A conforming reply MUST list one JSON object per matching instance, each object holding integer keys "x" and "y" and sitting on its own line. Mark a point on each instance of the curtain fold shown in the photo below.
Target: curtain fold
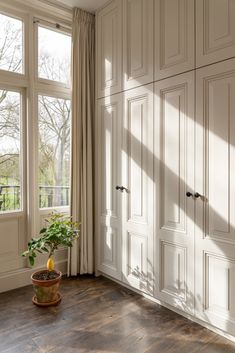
{"x": 81, "y": 255}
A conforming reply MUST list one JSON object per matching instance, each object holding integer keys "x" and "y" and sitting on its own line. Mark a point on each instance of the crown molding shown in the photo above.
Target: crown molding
{"x": 43, "y": 8}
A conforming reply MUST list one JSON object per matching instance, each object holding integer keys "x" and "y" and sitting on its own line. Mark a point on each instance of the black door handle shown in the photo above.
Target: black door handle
{"x": 121, "y": 188}
{"x": 197, "y": 195}
{"x": 188, "y": 194}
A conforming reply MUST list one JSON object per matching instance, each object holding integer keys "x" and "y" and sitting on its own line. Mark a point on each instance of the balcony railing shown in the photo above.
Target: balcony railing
{"x": 49, "y": 196}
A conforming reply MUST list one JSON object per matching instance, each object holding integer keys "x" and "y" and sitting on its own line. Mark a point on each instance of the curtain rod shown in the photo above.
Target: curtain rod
{"x": 52, "y": 24}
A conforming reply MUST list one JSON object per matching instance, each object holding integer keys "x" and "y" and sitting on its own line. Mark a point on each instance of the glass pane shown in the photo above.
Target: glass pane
{"x": 54, "y": 151}
{"x": 54, "y": 55}
{"x": 10, "y": 178}
{"x": 11, "y": 44}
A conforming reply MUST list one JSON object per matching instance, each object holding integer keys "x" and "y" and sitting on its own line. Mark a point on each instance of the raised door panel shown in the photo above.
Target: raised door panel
{"x": 12, "y": 242}
{"x": 215, "y": 30}
{"x": 109, "y": 49}
{"x": 137, "y": 42}
{"x": 174, "y": 177}
{"x": 215, "y": 211}
{"x": 174, "y": 37}
{"x": 137, "y": 165}
{"x": 173, "y": 281}
{"x": 109, "y": 175}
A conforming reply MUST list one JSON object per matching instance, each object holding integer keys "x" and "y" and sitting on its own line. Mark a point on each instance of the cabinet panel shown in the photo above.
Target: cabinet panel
{"x": 137, "y": 206}
{"x": 173, "y": 276}
{"x": 174, "y": 176}
{"x": 109, "y": 175}
{"x": 215, "y": 26}
{"x": 12, "y": 242}
{"x": 109, "y": 49}
{"x": 215, "y": 181}
{"x": 174, "y": 37}
{"x": 137, "y": 42}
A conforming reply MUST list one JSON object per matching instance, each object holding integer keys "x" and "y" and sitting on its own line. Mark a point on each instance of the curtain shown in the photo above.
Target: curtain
{"x": 81, "y": 257}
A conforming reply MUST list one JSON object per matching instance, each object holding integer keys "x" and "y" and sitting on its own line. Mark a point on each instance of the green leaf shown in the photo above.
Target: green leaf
{"x": 61, "y": 230}
{"x": 31, "y": 260}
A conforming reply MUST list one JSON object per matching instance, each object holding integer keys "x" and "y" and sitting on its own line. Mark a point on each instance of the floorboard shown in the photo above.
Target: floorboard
{"x": 97, "y": 315}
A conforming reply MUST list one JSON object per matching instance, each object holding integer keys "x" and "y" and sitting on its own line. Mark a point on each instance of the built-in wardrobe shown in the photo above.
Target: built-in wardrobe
{"x": 165, "y": 152}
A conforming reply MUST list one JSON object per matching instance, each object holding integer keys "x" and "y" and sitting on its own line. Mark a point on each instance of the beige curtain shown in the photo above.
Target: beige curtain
{"x": 81, "y": 257}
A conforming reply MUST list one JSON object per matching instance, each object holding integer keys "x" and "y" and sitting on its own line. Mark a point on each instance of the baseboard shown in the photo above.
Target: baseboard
{"x": 160, "y": 302}
{"x": 20, "y": 278}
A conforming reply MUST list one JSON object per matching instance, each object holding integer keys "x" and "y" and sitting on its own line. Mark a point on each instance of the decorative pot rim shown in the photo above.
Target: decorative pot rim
{"x": 46, "y": 282}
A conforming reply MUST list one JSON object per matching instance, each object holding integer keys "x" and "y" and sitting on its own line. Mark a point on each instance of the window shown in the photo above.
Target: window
{"x": 35, "y": 116}
{"x": 54, "y": 151}
{"x": 54, "y": 55}
{"x": 47, "y": 164}
{"x": 11, "y": 44}
{"x": 10, "y": 150}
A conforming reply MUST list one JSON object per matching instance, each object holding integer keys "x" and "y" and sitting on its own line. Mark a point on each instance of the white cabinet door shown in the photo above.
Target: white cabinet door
{"x": 174, "y": 178}
{"x": 137, "y": 200}
{"x": 174, "y": 37}
{"x": 215, "y": 30}
{"x": 215, "y": 181}
{"x": 109, "y": 223}
{"x": 137, "y": 42}
{"x": 109, "y": 49}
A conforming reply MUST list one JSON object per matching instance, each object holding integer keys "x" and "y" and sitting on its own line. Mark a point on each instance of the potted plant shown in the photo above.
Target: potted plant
{"x": 60, "y": 231}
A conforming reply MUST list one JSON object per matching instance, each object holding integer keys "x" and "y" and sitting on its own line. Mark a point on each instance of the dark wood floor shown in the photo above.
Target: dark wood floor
{"x": 97, "y": 315}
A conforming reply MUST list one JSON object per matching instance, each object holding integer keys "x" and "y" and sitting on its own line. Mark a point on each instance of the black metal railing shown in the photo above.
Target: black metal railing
{"x": 53, "y": 196}
{"x": 49, "y": 196}
{"x": 9, "y": 197}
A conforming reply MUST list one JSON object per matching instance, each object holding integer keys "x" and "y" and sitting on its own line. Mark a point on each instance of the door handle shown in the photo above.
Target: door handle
{"x": 121, "y": 188}
{"x": 197, "y": 195}
{"x": 188, "y": 194}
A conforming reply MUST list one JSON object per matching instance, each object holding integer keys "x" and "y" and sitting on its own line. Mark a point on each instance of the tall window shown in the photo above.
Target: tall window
{"x": 50, "y": 111}
{"x": 54, "y": 55}
{"x": 11, "y": 44}
{"x": 11, "y": 60}
{"x": 35, "y": 114}
{"x": 54, "y": 151}
{"x": 10, "y": 150}
{"x": 54, "y": 109}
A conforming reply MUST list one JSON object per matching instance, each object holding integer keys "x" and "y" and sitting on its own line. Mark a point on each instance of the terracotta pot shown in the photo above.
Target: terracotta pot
{"x": 46, "y": 291}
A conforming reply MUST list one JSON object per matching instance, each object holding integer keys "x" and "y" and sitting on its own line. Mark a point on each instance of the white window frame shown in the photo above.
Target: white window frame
{"x": 23, "y": 77}
{"x": 30, "y": 86}
{"x": 23, "y": 150}
{"x": 53, "y": 27}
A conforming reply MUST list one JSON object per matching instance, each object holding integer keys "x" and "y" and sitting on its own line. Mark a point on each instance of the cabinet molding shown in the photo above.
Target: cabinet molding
{"x": 174, "y": 37}
{"x": 174, "y": 176}
{"x": 137, "y": 42}
{"x": 215, "y": 180}
{"x": 137, "y": 171}
{"x": 109, "y": 227}
{"x": 215, "y": 31}
{"x": 109, "y": 49}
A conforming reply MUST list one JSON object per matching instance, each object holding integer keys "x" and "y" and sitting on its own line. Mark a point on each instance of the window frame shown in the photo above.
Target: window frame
{"x": 23, "y": 150}
{"x": 25, "y": 43}
{"x": 50, "y": 88}
{"x": 31, "y": 86}
{"x": 53, "y": 27}
{"x": 54, "y": 94}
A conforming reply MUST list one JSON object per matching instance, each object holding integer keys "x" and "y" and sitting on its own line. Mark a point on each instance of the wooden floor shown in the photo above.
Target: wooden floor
{"x": 97, "y": 315}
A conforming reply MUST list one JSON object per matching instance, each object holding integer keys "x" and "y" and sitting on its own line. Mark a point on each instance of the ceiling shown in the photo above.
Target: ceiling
{"x": 88, "y": 5}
